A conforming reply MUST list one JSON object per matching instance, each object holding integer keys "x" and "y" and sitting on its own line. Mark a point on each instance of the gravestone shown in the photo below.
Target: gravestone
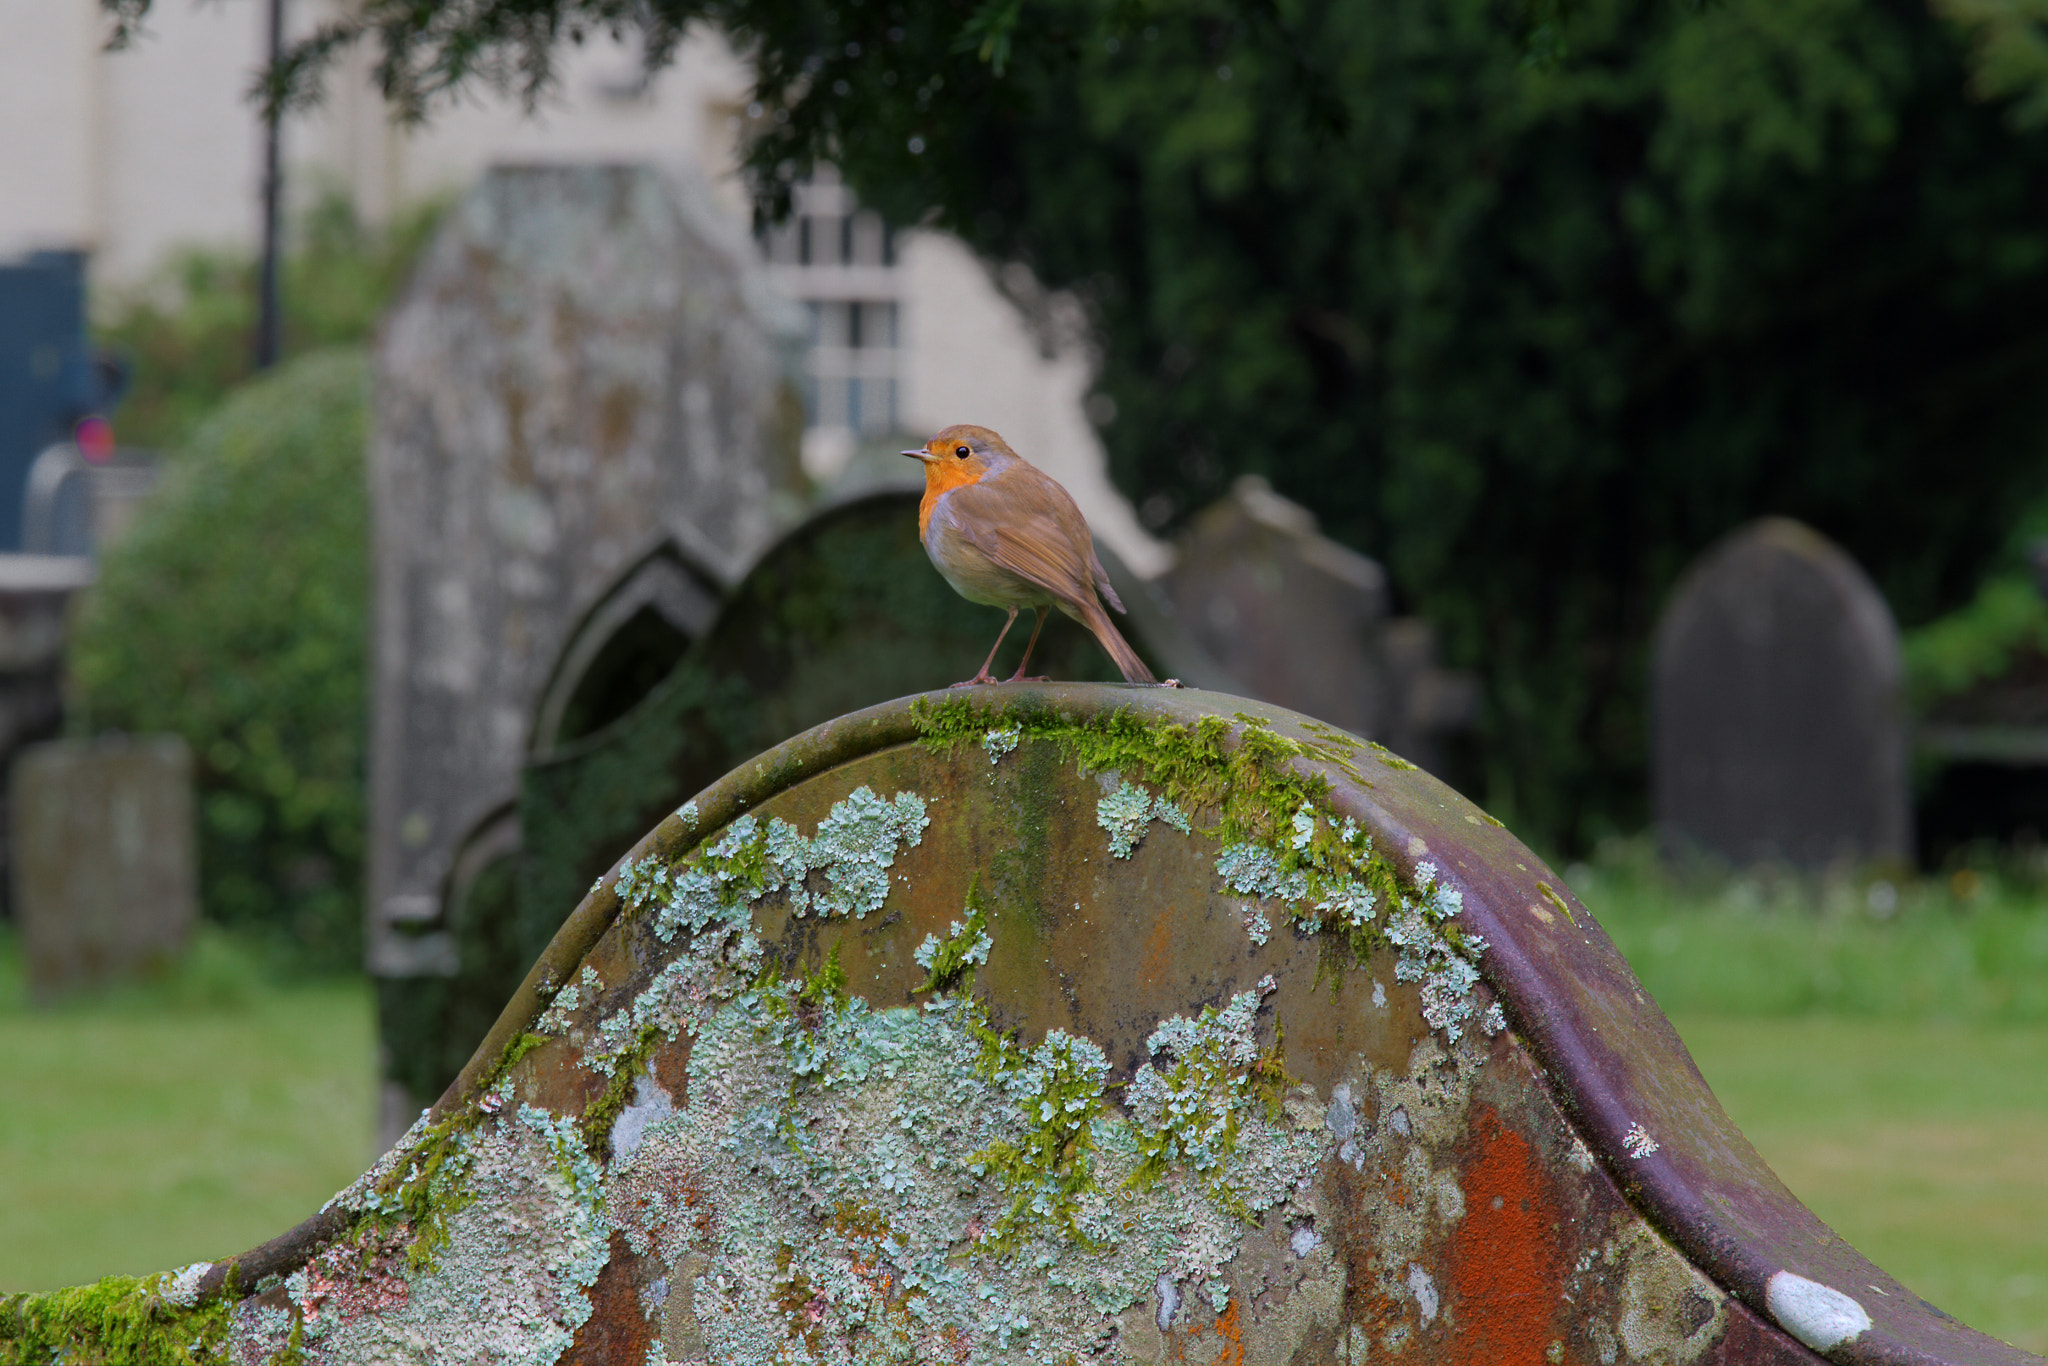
{"x": 105, "y": 859}
{"x": 1777, "y": 711}
{"x": 586, "y": 365}
{"x": 1304, "y": 623}
{"x": 1058, "y": 1023}
{"x": 842, "y": 610}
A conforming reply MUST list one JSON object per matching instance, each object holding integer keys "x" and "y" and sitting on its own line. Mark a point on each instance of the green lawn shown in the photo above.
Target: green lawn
{"x": 177, "y": 1124}
{"x": 1893, "y": 1070}
{"x": 1925, "y": 1144}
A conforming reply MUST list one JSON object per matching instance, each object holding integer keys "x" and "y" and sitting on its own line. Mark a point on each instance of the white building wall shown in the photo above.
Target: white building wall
{"x": 133, "y": 154}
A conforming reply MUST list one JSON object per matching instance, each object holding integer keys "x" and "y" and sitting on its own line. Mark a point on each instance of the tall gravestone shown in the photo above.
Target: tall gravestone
{"x": 587, "y": 365}
{"x": 1304, "y": 622}
{"x": 1777, "y": 710}
{"x": 106, "y": 868}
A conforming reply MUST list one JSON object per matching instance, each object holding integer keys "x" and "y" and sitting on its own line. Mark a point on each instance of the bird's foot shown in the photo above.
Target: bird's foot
{"x": 1019, "y": 677}
{"x": 983, "y": 677}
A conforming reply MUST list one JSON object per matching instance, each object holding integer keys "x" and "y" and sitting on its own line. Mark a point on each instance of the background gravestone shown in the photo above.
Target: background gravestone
{"x": 841, "y": 612}
{"x": 1304, "y": 622}
{"x": 586, "y": 365}
{"x": 106, "y": 862}
{"x": 1777, "y": 709}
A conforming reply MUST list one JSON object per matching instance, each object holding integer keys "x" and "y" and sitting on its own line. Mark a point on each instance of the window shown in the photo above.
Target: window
{"x": 838, "y": 260}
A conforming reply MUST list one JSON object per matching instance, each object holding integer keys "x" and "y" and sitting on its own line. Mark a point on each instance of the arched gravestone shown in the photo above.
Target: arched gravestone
{"x": 587, "y": 360}
{"x": 632, "y": 635}
{"x": 842, "y": 609}
{"x": 1778, "y": 710}
{"x": 1058, "y": 1023}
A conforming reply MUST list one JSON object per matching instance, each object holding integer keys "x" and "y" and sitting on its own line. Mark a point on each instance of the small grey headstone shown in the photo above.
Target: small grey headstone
{"x": 1303, "y": 622}
{"x": 1777, "y": 712}
{"x": 106, "y": 864}
{"x": 586, "y": 364}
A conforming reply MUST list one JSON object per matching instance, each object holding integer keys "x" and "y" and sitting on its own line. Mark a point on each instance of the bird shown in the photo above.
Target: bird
{"x": 1005, "y": 534}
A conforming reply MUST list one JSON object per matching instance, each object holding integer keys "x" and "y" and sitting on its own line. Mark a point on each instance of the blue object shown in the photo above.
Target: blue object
{"x": 49, "y": 377}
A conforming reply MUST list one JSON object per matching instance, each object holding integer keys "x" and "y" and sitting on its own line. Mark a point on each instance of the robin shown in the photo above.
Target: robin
{"x": 1005, "y": 534}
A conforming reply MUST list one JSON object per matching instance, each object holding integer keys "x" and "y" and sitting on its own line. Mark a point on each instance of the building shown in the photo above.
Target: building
{"x": 128, "y": 155}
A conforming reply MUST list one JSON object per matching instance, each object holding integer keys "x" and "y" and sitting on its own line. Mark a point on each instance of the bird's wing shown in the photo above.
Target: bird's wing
{"x": 1027, "y": 524}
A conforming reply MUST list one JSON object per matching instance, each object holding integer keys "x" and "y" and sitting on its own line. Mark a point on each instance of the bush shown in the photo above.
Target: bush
{"x": 189, "y": 333}
{"x": 234, "y": 614}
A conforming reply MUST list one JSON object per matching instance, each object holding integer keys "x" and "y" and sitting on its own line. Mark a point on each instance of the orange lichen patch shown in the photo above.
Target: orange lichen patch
{"x": 1229, "y": 1334}
{"x": 1158, "y": 957}
{"x": 1505, "y": 1258}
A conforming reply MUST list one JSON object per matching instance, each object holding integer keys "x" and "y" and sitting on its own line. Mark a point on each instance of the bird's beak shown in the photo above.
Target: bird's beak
{"x": 919, "y": 455}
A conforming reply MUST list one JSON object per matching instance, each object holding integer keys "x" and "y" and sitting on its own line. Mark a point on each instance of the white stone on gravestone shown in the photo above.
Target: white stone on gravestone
{"x": 105, "y": 859}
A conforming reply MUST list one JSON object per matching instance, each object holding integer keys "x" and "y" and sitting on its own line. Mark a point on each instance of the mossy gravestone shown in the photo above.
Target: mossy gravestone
{"x": 1778, "y": 709}
{"x": 106, "y": 878}
{"x": 842, "y": 610}
{"x": 585, "y": 364}
{"x": 1068, "y": 1023}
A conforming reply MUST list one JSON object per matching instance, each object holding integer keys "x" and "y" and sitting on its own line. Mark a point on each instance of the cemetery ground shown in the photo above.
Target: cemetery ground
{"x": 1884, "y": 1046}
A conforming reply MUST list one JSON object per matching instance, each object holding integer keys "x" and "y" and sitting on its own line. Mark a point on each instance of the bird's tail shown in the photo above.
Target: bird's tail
{"x": 1115, "y": 646}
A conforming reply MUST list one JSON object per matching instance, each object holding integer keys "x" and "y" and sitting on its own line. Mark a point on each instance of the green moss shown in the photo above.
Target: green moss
{"x": 602, "y": 1114}
{"x": 120, "y": 1321}
{"x": 949, "y": 963}
{"x": 1197, "y": 1099}
{"x": 1248, "y": 793}
{"x": 1058, "y": 1090}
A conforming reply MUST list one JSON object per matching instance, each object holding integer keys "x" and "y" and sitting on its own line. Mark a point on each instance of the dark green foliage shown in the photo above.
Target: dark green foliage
{"x": 234, "y": 615}
{"x": 189, "y": 334}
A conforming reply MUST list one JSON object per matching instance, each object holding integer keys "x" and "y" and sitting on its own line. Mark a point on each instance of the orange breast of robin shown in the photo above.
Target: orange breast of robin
{"x": 939, "y": 478}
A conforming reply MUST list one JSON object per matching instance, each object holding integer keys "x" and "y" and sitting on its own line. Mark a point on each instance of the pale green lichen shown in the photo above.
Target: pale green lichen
{"x": 841, "y": 870}
{"x": 1209, "y": 1072}
{"x": 949, "y": 963}
{"x": 1128, "y": 810}
{"x": 905, "y": 1180}
{"x": 1001, "y": 741}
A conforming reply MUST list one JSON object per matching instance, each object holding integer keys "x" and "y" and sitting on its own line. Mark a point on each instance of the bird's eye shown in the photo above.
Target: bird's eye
{"x": 962, "y": 452}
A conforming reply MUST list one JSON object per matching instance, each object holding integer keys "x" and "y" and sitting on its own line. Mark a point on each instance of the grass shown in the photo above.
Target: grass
{"x": 182, "y": 1121}
{"x": 1885, "y": 1046}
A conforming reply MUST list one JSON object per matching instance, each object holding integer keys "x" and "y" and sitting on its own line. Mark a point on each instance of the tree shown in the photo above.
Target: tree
{"x": 1531, "y": 301}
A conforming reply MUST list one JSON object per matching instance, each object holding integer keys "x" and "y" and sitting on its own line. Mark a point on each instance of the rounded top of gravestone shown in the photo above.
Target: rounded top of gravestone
{"x": 1777, "y": 706}
{"x": 1047, "y": 1021}
{"x": 1758, "y": 574}
{"x": 1264, "y": 830}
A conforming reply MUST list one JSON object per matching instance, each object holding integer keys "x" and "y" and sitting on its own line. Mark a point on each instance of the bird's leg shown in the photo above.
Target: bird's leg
{"x": 985, "y": 676}
{"x": 1018, "y": 676}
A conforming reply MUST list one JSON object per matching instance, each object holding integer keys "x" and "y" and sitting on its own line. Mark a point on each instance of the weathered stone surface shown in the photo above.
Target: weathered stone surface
{"x": 1303, "y": 623}
{"x": 1777, "y": 706}
{"x": 106, "y": 860}
{"x": 585, "y": 365}
{"x": 1064, "y": 1023}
